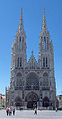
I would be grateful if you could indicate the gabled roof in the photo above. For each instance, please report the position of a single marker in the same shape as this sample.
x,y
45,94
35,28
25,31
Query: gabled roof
x,y
32,59
32,63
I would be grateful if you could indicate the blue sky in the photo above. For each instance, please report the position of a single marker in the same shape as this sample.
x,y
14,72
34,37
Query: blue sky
x,y
10,11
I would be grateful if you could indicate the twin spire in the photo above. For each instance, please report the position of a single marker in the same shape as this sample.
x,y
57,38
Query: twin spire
x,y
44,26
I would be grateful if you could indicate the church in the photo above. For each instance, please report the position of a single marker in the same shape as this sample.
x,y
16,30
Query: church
x,y
32,83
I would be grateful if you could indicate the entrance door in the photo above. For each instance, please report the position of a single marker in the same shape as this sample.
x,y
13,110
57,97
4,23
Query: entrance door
x,y
18,102
31,99
31,104
45,102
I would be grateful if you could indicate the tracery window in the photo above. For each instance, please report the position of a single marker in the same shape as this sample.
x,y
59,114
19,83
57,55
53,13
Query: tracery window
x,y
32,82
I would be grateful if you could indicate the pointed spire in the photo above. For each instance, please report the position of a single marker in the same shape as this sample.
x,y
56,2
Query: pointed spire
x,y
21,14
44,26
43,12
32,52
21,22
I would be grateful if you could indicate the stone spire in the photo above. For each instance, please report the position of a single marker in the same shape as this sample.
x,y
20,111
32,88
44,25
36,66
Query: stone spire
x,y
44,26
32,52
21,28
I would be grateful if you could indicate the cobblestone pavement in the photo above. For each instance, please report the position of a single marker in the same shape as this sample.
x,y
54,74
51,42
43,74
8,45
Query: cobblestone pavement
x,y
29,114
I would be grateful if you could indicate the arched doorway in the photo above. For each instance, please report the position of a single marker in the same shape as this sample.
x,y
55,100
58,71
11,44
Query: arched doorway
x,y
45,102
32,99
18,102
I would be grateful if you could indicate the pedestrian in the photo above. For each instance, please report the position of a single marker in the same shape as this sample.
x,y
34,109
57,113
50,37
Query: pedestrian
x,y
7,111
56,109
13,111
35,111
10,111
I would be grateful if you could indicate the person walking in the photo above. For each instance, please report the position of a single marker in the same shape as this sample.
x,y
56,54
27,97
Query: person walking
x,y
56,109
7,111
10,111
13,111
35,111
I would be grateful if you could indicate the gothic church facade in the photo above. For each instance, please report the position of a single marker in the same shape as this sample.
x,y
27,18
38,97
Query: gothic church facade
x,y
32,83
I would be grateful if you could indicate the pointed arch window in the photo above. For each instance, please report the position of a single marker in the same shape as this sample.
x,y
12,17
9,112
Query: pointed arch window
x,y
46,62
43,61
18,62
47,43
20,42
44,43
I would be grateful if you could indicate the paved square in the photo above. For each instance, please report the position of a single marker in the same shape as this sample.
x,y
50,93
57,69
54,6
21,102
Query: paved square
x,y
29,114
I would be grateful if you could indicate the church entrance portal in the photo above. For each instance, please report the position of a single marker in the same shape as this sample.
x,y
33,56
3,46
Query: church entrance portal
x,y
31,104
45,102
32,99
18,102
